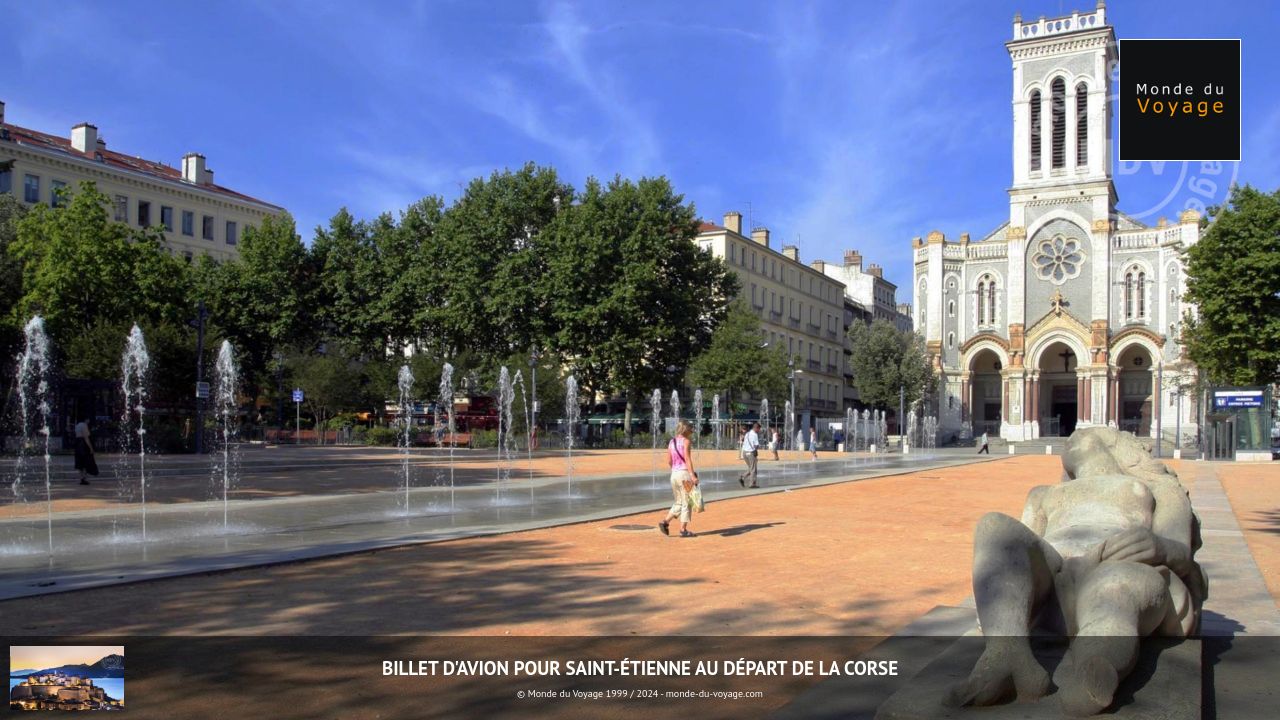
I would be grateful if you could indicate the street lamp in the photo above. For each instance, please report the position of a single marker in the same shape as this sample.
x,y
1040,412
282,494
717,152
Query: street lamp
x,y
791,376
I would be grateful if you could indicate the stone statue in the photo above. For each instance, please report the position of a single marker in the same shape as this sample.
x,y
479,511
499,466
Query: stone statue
x,y
1104,558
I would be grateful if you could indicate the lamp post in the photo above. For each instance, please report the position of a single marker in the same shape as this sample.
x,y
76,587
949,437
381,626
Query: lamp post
x,y
791,376
902,408
198,323
1158,396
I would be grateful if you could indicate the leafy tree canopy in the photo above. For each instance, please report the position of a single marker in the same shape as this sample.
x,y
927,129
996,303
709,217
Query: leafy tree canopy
x,y
885,359
1233,279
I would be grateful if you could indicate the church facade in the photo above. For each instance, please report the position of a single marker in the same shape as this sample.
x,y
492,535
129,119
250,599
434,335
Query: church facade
x,y
1068,314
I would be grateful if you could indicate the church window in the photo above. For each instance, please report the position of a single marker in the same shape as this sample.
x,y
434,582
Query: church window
x,y
1082,124
991,302
982,301
1058,259
1142,299
1058,108
951,308
951,340
1128,295
1035,130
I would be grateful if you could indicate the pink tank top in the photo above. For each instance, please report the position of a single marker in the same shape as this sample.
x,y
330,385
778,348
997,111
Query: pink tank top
x,y
676,454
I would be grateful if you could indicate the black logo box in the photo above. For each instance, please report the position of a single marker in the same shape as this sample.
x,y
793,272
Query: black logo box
x,y
1186,69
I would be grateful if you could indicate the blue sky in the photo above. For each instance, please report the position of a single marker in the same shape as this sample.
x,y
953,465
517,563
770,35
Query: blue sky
x,y
841,124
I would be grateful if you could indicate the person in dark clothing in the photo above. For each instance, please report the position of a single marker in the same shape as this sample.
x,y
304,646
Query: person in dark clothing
x,y
85,461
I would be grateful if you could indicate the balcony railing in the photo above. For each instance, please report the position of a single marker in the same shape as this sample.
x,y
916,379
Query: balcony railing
x,y
815,365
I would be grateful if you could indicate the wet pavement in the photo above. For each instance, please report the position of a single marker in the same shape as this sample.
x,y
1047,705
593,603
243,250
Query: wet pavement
x,y
118,544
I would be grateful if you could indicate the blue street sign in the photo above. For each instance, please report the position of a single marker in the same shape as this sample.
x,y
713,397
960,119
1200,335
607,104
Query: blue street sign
x,y
1237,398
297,395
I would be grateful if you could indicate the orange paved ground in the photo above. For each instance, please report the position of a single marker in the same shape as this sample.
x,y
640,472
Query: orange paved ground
x,y
1254,492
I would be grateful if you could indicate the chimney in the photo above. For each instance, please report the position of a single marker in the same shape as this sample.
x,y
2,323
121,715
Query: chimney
x,y
853,258
102,144
761,236
194,171
876,270
84,138
733,221
819,265
1,112
792,252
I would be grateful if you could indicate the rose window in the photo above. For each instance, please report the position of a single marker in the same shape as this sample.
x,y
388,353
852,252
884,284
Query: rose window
x,y
1058,259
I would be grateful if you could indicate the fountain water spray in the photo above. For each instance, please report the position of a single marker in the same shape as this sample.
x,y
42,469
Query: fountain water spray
x,y
788,428
33,399
404,382
135,365
506,397
655,422
764,415
697,417
226,382
446,400
675,410
571,426
715,428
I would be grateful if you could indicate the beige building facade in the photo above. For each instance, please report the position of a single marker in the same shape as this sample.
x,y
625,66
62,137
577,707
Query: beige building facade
x,y
801,310
198,216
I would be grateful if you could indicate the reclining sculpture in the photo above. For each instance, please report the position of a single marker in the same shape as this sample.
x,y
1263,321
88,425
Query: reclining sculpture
x,y
1104,558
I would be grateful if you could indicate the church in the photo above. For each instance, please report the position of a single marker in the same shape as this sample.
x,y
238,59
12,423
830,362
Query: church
x,y
1068,314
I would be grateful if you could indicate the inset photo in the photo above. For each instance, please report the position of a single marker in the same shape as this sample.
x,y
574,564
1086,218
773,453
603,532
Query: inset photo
x,y
66,677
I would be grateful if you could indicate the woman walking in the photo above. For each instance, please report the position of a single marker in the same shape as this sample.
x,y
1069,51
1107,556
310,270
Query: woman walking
x,y
683,479
85,461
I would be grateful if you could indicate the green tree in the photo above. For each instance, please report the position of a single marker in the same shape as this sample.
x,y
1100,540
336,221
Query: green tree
x,y
333,383
79,267
736,361
1233,279
262,300
11,211
885,359
632,296
488,253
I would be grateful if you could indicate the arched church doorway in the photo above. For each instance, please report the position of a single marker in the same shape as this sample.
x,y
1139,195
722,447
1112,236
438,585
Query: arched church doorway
x,y
985,384
1133,380
1057,401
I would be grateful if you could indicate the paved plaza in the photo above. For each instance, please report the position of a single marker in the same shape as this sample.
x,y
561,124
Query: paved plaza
x,y
839,564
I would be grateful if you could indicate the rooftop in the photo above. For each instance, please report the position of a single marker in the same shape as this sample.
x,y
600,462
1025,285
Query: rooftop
x,y
119,161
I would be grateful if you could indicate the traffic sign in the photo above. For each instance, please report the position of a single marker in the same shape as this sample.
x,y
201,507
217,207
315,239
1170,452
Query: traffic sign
x,y
202,390
297,395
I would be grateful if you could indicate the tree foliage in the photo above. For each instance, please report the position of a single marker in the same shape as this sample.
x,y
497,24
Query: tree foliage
x,y
1233,280
632,297
885,359
736,361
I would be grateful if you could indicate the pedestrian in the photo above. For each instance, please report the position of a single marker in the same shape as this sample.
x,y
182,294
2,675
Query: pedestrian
x,y
773,443
683,479
750,452
813,441
85,461
984,449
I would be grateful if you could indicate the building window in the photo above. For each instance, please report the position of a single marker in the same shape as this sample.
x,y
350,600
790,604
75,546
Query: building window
x,y
991,302
1035,131
951,308
31,188
733,253
1082,124
188,223
166,217
951,340
122,208
231,233
206,227
6,179
1128,295
186,255
1142,294
144,213
1058,95
55,199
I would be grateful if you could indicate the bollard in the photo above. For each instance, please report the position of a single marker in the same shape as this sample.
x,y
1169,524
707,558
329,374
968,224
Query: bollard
x,y
1010,448
1177,453
873,448
1048,449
